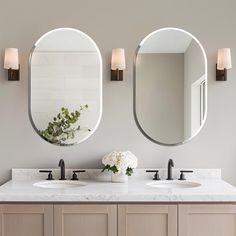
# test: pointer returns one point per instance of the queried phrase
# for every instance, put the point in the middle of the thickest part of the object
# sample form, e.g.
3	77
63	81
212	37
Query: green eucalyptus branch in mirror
64	126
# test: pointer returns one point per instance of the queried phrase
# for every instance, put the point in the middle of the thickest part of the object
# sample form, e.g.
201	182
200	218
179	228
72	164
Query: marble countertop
100	189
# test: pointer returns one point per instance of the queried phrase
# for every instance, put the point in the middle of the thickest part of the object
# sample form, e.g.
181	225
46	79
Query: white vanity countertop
212	189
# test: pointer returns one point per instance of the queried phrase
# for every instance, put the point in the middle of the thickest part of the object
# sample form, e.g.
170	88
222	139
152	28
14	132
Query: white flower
121	160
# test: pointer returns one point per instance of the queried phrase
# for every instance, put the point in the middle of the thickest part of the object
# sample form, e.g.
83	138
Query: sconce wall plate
221	75
117	75
14	75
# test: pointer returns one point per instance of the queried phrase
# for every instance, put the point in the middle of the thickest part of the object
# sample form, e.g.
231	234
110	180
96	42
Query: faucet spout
62	166
169	169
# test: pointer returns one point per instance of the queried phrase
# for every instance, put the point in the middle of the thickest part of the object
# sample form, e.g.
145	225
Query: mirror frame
101	86
135	85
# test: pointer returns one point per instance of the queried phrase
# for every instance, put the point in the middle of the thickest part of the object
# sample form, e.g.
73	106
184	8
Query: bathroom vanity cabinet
137	219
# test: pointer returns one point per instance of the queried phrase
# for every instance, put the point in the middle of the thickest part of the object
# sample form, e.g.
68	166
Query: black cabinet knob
75	176
156	175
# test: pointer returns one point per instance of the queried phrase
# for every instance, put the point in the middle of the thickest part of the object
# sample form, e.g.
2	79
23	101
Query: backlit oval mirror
170	86
65	86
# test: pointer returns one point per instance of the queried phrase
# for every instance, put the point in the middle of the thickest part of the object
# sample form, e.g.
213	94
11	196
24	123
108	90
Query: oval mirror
170	86
65	86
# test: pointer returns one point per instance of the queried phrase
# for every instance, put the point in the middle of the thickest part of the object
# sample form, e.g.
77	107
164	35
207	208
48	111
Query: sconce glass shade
224	59
118	59
11	59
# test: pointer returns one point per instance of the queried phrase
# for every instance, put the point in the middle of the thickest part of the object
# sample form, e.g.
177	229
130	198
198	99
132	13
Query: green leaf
63	127
129	171
110	168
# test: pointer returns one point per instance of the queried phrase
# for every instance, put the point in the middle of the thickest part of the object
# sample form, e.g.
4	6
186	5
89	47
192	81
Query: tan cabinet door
147	220
85	220
26	220
207	220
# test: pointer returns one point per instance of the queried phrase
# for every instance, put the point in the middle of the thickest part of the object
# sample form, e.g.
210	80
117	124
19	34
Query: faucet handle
75	176
182	177
50	176
156	175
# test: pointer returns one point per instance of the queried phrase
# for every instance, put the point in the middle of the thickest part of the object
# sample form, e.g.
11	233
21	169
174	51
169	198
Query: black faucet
62	165
169	173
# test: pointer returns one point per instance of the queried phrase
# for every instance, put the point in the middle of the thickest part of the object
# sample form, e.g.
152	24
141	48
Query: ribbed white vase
119	178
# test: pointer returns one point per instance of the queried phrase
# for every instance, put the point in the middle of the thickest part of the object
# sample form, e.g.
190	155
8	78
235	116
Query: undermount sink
59	184
173	184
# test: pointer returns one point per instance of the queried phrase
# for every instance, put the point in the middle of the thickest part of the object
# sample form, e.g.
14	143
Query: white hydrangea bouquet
121	164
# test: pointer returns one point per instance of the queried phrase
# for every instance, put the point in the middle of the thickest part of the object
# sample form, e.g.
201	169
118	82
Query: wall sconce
11	63
117	64
223	64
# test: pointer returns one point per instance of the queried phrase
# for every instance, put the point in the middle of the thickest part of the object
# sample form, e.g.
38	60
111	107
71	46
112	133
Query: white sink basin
59	184
173	184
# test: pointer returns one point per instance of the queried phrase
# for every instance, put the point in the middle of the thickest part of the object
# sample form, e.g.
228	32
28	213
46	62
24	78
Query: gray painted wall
160	95
118	24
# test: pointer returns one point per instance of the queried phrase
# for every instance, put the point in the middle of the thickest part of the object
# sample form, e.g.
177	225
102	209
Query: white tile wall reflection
65	79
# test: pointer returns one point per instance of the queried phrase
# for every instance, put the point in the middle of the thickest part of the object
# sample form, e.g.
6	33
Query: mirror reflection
65	103
170	91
